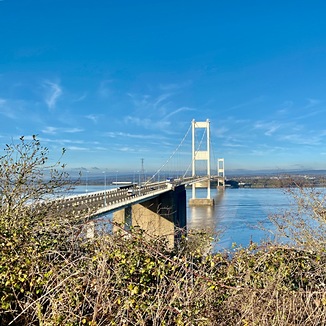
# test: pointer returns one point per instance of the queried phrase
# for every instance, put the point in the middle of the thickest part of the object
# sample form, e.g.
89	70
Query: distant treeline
277	182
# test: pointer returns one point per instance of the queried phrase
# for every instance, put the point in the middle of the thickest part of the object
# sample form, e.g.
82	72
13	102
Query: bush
304	225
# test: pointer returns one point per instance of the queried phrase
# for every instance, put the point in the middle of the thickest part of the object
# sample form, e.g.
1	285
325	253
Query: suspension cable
171	156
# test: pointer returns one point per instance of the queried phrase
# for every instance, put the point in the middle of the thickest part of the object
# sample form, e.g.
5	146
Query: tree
304	224
30	228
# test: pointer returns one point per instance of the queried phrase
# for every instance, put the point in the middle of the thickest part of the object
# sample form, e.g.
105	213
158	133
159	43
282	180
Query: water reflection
204	217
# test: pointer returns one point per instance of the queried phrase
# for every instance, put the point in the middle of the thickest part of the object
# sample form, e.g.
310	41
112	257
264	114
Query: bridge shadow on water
205	217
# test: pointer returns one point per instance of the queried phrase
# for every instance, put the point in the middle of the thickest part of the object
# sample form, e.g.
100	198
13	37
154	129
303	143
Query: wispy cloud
77	148
220	132
154	113
104	89
128	149
311	109
72	130
93	117
64	141
235	145
127	135
140	101
147	123
146	103
269	127
182	109
312	103
309	114
304	139
54	130
6	110
285	107
175	86
161	99
50	130
52	93
255	100
80	98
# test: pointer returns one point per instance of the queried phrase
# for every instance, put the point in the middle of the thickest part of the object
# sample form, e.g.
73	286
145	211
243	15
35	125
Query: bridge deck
101	202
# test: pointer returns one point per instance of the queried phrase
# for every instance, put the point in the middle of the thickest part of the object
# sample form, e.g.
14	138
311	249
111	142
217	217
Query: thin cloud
140	101
230	144
6	110
258	99
54	130
93	117
304	139
182	109
104	90
310	114
63	141
127	135
145	102
80	98
220	132
53	92
312	103
269	127
72	130
50	130
285	107
76	148
161	99
128	149
147	123
175	86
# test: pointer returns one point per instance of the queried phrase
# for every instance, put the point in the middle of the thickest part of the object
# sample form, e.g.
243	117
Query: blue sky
117	81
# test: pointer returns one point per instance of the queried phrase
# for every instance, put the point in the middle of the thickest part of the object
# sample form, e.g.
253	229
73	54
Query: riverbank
279	181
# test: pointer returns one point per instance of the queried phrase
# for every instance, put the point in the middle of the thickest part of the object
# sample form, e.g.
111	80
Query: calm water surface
236	213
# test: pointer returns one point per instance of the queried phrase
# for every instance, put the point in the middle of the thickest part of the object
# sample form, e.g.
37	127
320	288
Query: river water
235	217
238	214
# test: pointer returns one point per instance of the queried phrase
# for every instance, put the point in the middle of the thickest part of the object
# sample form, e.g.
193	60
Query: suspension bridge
158	207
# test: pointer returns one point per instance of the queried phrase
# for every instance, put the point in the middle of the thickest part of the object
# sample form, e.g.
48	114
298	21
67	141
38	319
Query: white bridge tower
220	173
203	155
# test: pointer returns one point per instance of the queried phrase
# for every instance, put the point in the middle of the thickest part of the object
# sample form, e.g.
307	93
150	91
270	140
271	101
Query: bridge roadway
102	202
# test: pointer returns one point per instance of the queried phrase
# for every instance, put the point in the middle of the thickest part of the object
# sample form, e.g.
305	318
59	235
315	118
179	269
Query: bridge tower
203	155
220	173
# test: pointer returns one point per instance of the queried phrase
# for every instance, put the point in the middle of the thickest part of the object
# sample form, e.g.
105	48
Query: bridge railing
91	202
82	204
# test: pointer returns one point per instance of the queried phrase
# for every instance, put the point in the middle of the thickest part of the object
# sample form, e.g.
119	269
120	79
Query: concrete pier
201	202
164	215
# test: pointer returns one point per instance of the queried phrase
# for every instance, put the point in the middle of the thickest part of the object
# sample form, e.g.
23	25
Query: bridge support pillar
164	216
201	202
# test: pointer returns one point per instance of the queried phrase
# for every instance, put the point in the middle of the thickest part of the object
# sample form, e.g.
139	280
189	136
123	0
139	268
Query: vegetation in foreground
51	274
